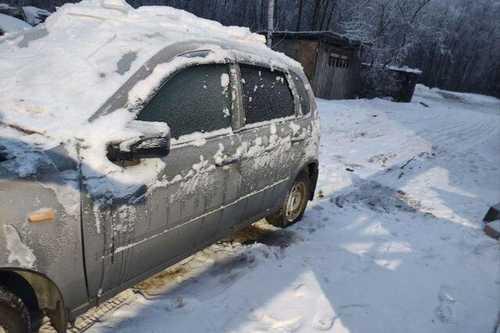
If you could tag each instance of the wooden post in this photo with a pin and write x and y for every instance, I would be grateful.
(270, 23)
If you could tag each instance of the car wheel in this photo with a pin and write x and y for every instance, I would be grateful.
(14, 316)
(295, 203)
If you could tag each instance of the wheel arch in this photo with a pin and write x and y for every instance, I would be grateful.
(311, 169)
(39, 293)
(313, 173)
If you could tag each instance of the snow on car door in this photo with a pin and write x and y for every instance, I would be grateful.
(189, 206)
(267, 155)
(130, 237)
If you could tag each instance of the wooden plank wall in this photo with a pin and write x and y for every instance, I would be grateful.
(328, 80)
(333, 81)
(304, 51)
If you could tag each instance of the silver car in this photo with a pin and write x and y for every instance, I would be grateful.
(241, 145)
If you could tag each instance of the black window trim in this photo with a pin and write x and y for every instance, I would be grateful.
(235, 112)
(310, 97)
(243, 126)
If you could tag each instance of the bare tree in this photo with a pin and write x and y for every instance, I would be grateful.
(455, 42)
(299, 16)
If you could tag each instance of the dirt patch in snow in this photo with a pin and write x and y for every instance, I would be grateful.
(379, 198)
(265, 234)
(158, 280)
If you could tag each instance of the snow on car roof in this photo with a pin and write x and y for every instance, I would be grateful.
(56, 76)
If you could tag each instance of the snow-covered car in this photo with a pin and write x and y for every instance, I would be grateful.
(131, 138)
(11, 24)
(28, 14)
(34, 15)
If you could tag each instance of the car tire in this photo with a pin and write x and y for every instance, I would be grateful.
(294, 205)
(14, 316)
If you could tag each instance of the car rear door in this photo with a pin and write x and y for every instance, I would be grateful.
(267, 137)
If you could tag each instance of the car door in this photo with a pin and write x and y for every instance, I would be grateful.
(302, 126)
(267, 137)
(186, 208)
(201, 179)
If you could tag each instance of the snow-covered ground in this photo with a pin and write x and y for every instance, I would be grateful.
(392, 242)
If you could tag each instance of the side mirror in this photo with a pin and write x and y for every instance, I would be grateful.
(152, 142)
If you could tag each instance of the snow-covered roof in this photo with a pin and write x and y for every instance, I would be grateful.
(12, 24)
(56, 76)
(405, 69)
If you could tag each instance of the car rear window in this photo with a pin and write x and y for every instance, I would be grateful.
(303, 94)
(266, 94)
(197, 99)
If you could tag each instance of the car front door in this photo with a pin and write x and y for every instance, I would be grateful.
(190, 204)
(267, 138)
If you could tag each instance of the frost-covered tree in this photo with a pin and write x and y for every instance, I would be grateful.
(455, 42)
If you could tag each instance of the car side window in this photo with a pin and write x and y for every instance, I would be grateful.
(266, 94)
(196, 99)
(303, 94)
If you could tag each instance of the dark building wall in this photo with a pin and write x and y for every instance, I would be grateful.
(386, 82)
(304, 51)
(334, 71)
(337, 72)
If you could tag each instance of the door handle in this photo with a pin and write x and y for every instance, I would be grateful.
(298, 138)
(228, 161)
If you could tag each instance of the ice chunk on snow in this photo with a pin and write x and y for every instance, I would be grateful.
(18, 251)
(35, 15)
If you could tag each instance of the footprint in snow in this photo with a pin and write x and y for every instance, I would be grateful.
(268, 322)
(445, 310)
(325, 316)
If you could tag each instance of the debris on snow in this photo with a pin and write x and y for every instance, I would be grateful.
(492, 229)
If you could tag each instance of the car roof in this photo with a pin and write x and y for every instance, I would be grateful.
(55, 76)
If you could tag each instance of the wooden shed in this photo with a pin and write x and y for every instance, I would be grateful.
(331, 61)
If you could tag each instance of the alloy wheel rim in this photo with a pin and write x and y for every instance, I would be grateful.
(295, 201)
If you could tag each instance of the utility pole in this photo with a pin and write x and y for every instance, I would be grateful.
(270, 23)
